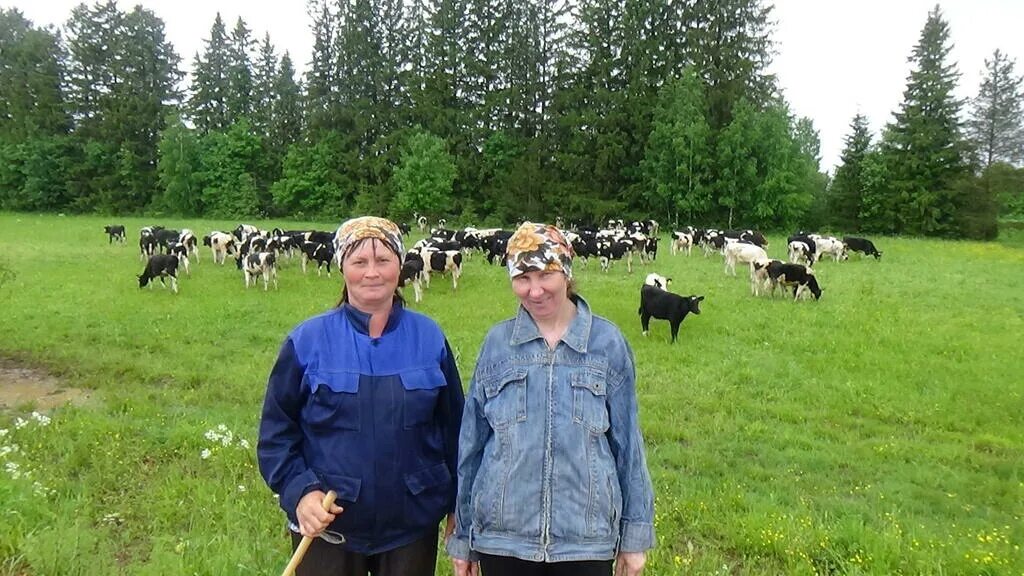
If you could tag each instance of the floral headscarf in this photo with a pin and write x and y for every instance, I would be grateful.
(538, 247)
(352, 231)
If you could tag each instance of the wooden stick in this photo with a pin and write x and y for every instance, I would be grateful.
(300, 551)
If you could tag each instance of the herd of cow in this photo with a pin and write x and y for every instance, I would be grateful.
(257, 253)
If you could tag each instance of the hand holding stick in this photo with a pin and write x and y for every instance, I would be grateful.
(300, 551)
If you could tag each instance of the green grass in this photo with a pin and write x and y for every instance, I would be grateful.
(877, 431)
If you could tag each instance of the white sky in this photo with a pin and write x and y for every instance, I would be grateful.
(834, 58)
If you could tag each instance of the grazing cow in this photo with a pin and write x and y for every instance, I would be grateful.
(739, 252)
(664, 305)
(422, 223)
(263, 264)
(115, 233)
(160, 266)
(682, 240)
(864, 245)
(797, 276)
(164, 237)
(412, 273)
(657, 280)
(321, 253)
(801, 253)
(221, 245)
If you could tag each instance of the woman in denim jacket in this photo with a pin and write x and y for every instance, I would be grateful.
(552, 474)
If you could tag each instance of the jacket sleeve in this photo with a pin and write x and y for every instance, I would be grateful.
(636, 531)
(279, 449)
(474, 436)
(450, 406)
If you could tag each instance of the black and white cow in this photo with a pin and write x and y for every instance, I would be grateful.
(436, 262)
(188, 238)
(664, 305)
(221, 245)
(115, 233)
(147, 241)
(657, 280)
(412, 273)
(830, 246)
(260, 264)
(164, 238)
(181, 251)
(801, 253)
(160, 266)
(856, 244)
(682, 240)
(797, 276)
(322, 254)
(742, 253)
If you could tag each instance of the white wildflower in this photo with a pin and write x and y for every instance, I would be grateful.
(19, 423)
(3, 432)
(241, 488)
(211, 436)
(42, 419)
(12, 469)
(222, 428)
(205, 453)
(243, 443)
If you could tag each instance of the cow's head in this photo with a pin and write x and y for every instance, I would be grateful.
(695, 303)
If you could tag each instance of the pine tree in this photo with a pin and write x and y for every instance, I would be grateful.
(996, 126)
(848, 186)
(923, 147)
(265, 73)
(322, 76)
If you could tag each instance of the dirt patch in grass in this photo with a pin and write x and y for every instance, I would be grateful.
(22, 385)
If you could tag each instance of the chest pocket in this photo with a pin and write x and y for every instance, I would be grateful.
(505, 393)
(421, 389)
(334, 401)
(589, 395)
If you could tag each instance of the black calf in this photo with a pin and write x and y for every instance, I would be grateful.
(662, 305)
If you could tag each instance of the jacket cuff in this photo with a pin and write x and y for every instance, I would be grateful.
(459, 548)
(298, 487)
(636, 537)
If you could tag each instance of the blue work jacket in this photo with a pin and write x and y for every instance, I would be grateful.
(375, 419)
(551, 459)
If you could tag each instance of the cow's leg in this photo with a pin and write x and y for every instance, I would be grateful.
(645, 321)
(417, 289)
(174, 284)
(675, 328)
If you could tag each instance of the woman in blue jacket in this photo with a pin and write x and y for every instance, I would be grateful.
(365, 400)
(552, 474)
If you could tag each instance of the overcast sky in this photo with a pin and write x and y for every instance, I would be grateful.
(833, 58)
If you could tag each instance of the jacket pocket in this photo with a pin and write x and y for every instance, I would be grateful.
(589, 395)
(348, 488)
(422, 387)
(334, 401)
(430, 495)
(505, 393)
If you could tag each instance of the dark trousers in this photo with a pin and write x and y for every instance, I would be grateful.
(508, 566)
(325, 559)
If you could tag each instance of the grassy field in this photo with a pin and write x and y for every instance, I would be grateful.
(877, 431)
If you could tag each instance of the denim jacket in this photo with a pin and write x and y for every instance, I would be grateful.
(551, 459)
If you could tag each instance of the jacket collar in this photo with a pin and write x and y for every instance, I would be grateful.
(361, 320)
(576, 335)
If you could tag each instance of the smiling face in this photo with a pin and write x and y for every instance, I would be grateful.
(371, 275)
(544, 293)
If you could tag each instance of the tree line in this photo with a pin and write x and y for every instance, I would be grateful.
(487, 112)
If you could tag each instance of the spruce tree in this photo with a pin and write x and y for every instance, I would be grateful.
(923, 146)
(209, 91)
(996, 125)
(847, 189)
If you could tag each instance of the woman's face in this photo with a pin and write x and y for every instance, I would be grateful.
(542, 293)
(371, 275)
